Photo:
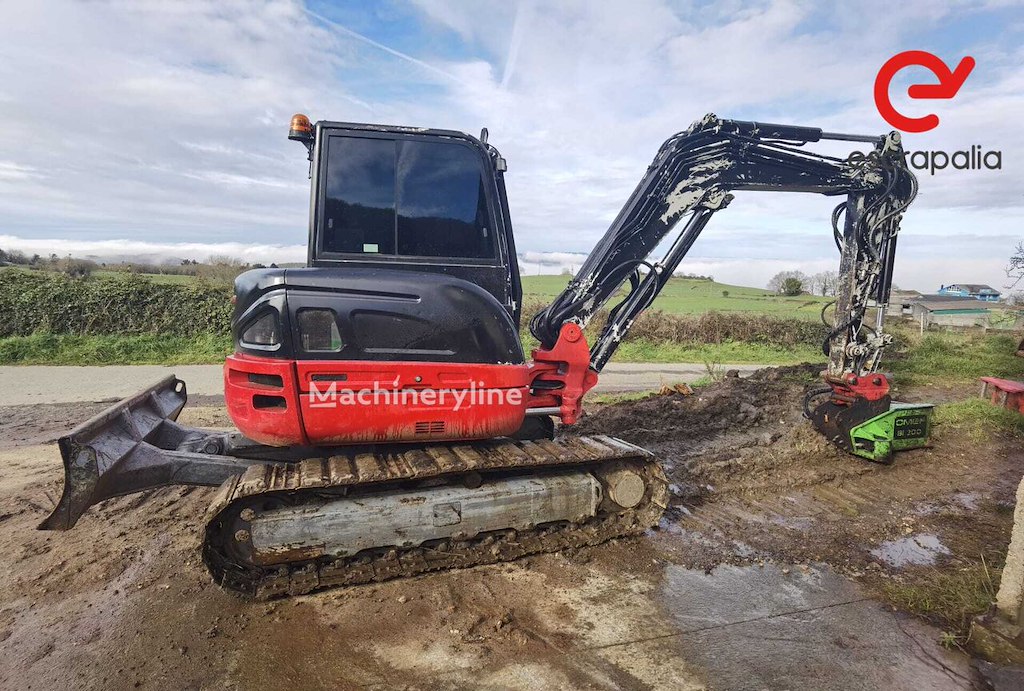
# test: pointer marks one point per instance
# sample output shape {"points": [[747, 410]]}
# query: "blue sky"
{"points": [[158, 130]]}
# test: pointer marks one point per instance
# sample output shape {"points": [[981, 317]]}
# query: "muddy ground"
{"points": [[760, 501]]}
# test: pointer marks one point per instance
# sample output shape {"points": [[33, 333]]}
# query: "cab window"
{"points": [[405, 198]]}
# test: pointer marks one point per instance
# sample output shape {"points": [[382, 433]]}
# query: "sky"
{"points": [[158, 130]]}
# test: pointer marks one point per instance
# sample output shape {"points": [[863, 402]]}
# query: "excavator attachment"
{"points": [[136, 445]]}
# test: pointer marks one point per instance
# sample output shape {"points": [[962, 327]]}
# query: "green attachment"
{"points": [[903, 426]]}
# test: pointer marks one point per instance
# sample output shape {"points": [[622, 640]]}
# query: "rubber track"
{"points": [[419, 463]]}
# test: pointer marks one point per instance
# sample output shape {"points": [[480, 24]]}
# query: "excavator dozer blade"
{"points": [[134, 445]]}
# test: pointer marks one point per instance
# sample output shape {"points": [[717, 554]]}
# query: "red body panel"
{"points": [[262, 398], [331, 402], [337, 402], [410, 401]]}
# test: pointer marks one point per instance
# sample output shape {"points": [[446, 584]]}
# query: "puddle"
{"points": [[728, 594], [920, 550], [967, 501]]}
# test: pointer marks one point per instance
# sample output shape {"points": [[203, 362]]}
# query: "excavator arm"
{"points": [[693, 176]]}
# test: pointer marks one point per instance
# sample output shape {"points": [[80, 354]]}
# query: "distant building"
{"points": [[901, 303], [949, 310], [978, 291]]}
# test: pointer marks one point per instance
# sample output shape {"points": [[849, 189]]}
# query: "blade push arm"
{"points": [[693, 176]]}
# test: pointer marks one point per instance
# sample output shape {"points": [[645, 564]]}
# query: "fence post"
{"points": [[1010, 600], [998, 637]]}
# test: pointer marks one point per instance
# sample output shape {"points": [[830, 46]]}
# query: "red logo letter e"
{"points": [[948, 86]]}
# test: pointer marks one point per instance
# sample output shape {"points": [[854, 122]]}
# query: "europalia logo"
{"points": [[948, 87]]}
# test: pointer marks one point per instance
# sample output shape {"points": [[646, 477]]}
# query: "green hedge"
{"points": [[37, 302], [728, 327], [48, 303], [713, 328]]}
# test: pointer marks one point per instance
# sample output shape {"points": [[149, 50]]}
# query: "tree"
{"points": [[76, 268], [824, 283], [221, 268], [792, 286], [775, 285], [1015, 269]]}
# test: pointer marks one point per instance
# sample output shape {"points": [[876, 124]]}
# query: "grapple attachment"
{"points": [[860, 417], [135, 445]]}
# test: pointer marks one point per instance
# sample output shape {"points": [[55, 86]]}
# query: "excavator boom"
{"points": [[693, 176]]}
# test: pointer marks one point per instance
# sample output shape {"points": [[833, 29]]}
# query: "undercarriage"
{"points": [[287, 521]]}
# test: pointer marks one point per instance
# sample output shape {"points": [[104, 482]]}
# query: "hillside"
{"points": [[692, 296], [680, 296]]}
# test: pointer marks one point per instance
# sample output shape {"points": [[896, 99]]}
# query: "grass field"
{"points": [[955, 357], [116, 349], [692, 296], [680, 295]]}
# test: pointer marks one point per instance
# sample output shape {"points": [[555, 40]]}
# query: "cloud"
{"points": [[165, 123], [13, 172], [141, 251]]}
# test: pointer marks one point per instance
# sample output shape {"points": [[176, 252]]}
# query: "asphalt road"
{"points": [[46, 384]]}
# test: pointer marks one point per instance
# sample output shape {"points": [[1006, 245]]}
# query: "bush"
{"points": [[77, 268], [725, 327], [53, 303], [961, 355], [792, 286]]}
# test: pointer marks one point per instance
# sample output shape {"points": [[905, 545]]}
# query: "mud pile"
{"points": [[730, 405], [736, 436]]}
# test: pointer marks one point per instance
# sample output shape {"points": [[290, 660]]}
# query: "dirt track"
{"points": [[122, 601]]}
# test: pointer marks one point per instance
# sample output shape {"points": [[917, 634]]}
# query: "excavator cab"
{"points": [[412, 199], [412, 264]]}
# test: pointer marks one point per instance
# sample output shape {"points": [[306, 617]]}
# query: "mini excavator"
{"points": [[388, 421]]}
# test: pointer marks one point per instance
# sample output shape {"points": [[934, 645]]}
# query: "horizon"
{"points": [[254, 255]]}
